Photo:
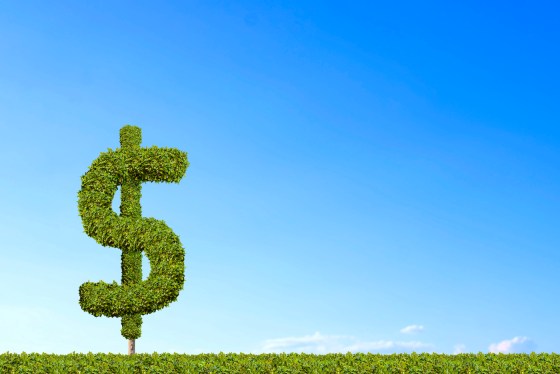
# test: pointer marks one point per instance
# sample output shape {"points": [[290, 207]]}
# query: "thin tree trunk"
{"points": [[131, 346]]}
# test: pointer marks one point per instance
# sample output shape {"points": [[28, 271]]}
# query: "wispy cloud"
{"points": [[515, 345], [412, 329], [19, 323], [459, 348], [323, 344]]}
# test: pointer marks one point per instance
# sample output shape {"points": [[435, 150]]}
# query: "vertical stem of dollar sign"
{"points": [[131, 258]]}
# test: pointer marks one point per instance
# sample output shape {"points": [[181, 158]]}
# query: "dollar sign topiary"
{"points": [[128, 167]]}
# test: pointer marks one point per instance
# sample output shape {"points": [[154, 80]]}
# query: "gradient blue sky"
{"points": [[366, 178]]}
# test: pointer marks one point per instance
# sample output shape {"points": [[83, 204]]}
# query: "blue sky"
{"points": [[362, 178]]}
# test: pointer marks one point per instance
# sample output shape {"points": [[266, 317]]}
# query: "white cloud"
{"points": [[412, 329], [515, 345], [322, 344], [459, 348]]}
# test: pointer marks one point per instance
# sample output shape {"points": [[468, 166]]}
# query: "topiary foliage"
{"points": [[128, 167]]}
